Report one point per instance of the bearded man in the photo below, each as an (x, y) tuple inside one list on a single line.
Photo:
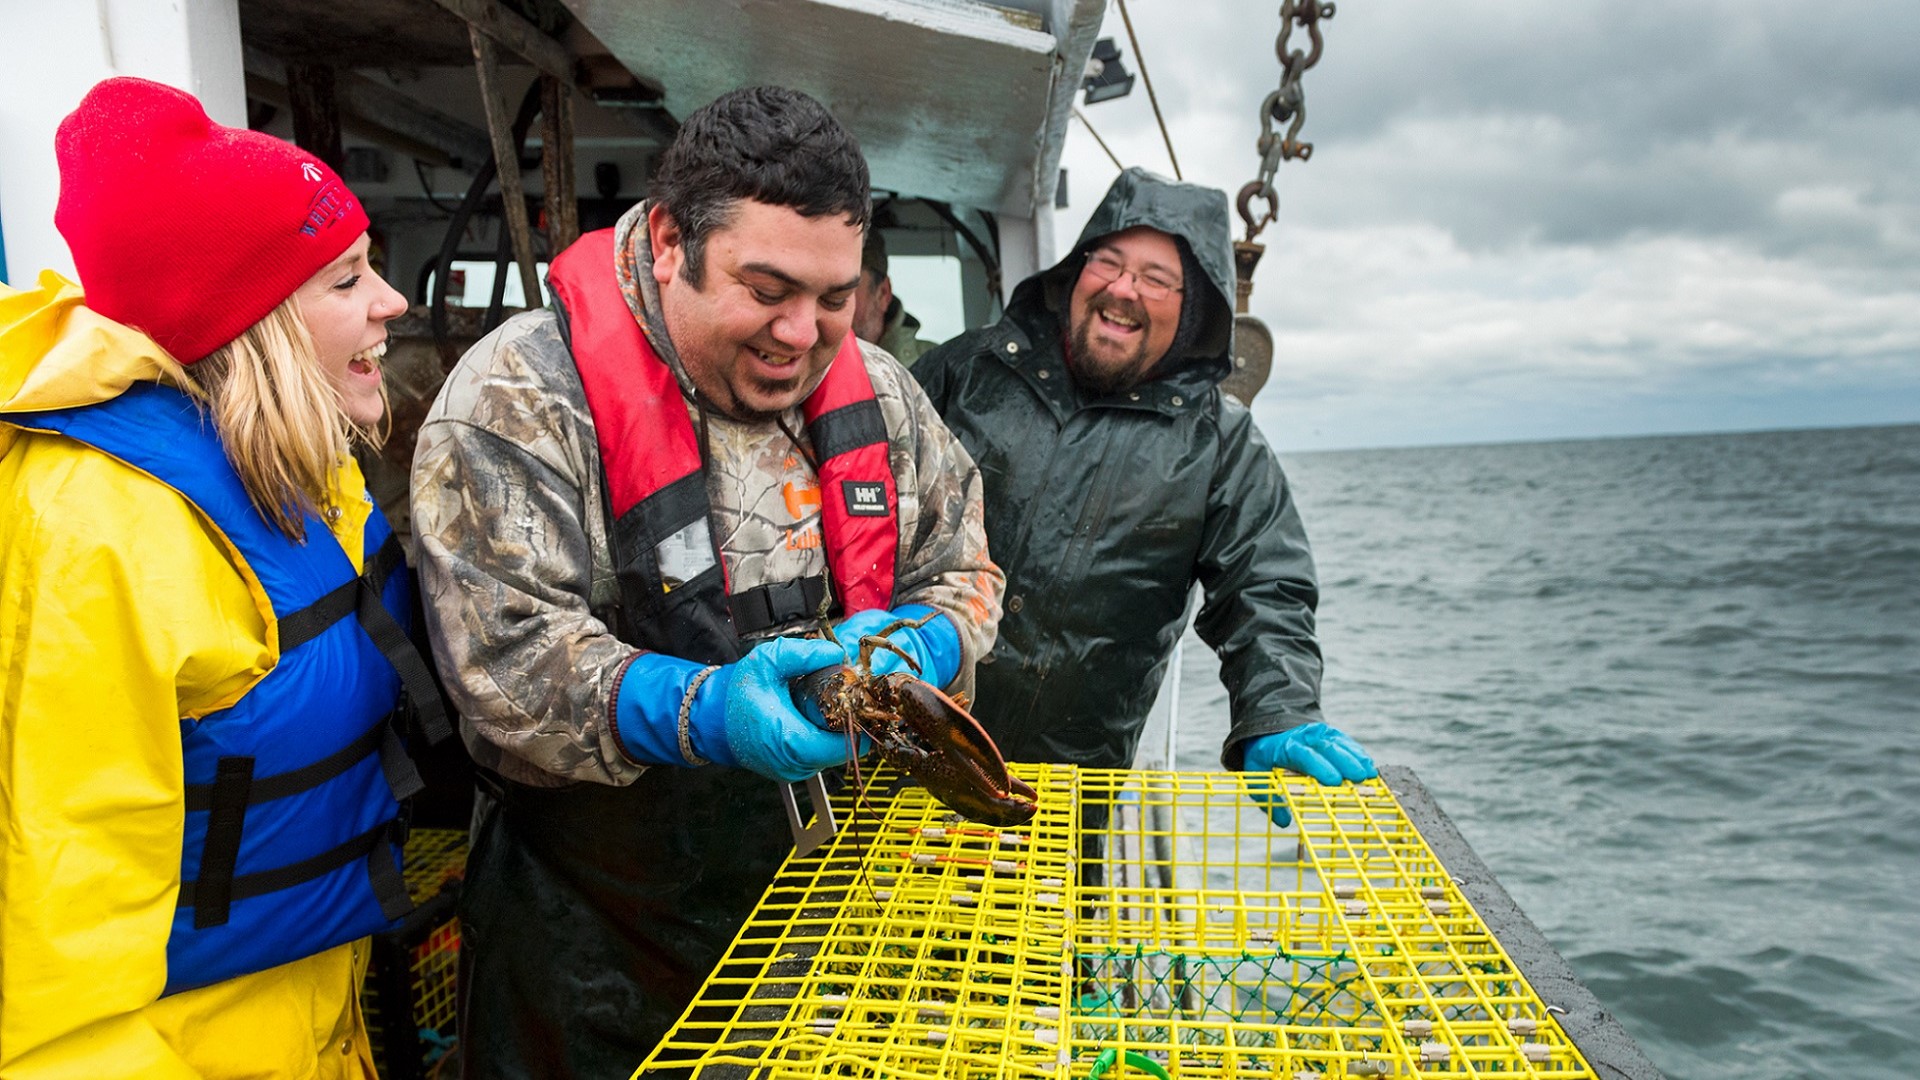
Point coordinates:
[(1118, 475)]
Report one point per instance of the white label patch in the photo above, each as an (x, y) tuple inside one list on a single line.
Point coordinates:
[(685, 554), (865, 498)]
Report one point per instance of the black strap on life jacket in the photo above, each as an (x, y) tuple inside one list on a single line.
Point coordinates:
[(211, 895), (281, 785), (360, 597), (210, 907), (766, 606), (235, 788)]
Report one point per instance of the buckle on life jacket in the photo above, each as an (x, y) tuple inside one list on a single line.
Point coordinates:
[(767, 606)]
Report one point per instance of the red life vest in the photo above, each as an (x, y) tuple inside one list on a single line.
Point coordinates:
[(656, 486)]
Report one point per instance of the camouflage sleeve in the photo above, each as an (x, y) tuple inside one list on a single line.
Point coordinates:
[(511, 550), (943, 560)]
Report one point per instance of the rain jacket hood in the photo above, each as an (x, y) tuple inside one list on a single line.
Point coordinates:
[(1196, 218), (56, 353)]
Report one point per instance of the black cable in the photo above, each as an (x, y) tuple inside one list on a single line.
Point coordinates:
[(993, 231), (449, 246), (420, 170), (1088, 124), (1152, 98), (990, 259)]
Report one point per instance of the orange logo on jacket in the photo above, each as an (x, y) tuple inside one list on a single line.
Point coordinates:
[(803, 502), (803, 499)]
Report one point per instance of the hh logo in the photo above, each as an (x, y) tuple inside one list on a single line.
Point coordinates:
[(865, 498)]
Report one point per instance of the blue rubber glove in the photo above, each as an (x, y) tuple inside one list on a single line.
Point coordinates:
[(741, 716), (1325, 753), (766, 733), (935, 646)]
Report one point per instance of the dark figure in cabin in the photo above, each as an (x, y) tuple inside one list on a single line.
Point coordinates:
[(1118, 475), (878, 315), (621, 505)]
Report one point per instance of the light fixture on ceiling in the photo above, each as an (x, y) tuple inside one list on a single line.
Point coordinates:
[(1106, 78)]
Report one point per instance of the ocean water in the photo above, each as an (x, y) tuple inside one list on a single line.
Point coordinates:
[(1669, 689)]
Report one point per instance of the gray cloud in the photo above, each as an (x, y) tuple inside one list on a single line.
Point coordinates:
[(1568, 208), (1567, 123), (1683, 69)]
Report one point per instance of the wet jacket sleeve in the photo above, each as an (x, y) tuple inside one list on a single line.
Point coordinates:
[(1261, 590), (943, 560), (505, 507), (91, 779)]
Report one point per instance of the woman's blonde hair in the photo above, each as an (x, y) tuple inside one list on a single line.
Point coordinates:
[(277, 416)]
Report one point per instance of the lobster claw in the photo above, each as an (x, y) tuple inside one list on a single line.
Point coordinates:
[(957, 760), (927, 735)]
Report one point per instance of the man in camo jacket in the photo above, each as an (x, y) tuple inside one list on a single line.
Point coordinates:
[(626, 508)]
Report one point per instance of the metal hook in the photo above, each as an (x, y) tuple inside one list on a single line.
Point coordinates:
[(1251, 190)]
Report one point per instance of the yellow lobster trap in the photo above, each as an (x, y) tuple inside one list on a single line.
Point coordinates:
[(408, 996), (1142, 924)]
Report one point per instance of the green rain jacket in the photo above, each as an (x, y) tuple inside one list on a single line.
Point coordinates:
[(1103, 512)]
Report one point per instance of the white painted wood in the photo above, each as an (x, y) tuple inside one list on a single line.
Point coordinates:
[(950, 99), (1076, 25), (51, 57), (1026, 248)]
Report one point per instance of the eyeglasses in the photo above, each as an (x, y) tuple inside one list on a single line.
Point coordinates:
[(1150, 284)]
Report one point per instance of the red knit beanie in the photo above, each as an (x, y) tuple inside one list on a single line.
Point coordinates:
[(186, 229)]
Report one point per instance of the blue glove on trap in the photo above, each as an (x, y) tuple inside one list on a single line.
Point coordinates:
[(1325, 753), (741, 716), (935, 646)]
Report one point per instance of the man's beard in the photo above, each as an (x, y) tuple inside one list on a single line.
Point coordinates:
[(812, 370), (1107, 379)]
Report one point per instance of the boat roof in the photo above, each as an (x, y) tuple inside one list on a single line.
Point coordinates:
[(960, 101)]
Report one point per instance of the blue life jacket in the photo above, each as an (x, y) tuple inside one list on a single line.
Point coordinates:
[(294, 823)]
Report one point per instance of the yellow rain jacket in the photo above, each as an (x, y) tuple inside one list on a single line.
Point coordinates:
[(122, 609)]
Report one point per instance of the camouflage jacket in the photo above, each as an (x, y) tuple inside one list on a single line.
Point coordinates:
[(509, 507), (901, 335)]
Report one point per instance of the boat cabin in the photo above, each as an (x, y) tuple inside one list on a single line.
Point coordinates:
[(961, 107)]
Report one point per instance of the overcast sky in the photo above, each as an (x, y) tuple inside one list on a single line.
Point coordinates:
[(1530, 220)]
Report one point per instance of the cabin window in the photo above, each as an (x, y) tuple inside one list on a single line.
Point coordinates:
[(930, 288), (472, 284)]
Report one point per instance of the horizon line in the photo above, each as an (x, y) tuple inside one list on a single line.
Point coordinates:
[(1523, 441)]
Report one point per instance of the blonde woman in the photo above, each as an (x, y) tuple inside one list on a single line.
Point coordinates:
[(199, 646)]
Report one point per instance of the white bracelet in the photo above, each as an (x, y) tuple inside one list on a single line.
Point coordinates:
[(686, 719)]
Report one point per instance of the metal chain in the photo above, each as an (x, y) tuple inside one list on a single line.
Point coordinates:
[(1286, 105)]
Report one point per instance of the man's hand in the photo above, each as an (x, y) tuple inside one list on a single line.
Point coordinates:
[(764, 730), (740, 715), (1325, 753)]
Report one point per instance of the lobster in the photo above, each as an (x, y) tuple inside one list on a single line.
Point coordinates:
[(922, 732)]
